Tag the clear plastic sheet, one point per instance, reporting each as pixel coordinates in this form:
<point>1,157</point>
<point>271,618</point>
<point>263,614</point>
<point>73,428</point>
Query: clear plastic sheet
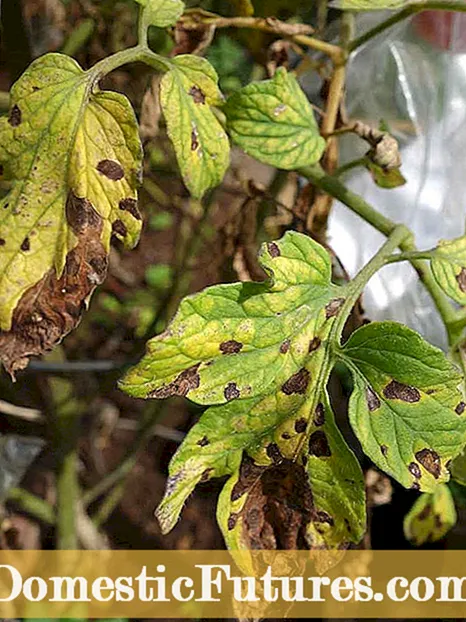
<point>16,455</point>
<point>419,89</point>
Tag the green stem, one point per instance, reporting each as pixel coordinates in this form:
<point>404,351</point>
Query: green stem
<point>355,287</point>
<point>143,27</point>
<point>411,256</point>
<point>37,507</point>
<point>137,54</point>
<point>349,166</point>
<point>412,9</point>
<point>316,175</point>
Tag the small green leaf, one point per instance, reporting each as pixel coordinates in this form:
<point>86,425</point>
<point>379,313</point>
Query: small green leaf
<point>73,158</point>
<point>260,353</point>
<point>431,517</point>
<point>163,13</point>
<point>387,179</point>
<point>274,123</point>
<point>243,7</point>
<point>449,268</point>
<point>187,93</point>
<point>406,407</point>
<point>369,5</point>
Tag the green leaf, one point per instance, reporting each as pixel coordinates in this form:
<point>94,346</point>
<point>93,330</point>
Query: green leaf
<point>369,5</point>
<point>163,13</point>
<point>384,178</point>
<point>406,408</point>
<point>274,123</point>
<point>260,353</point>
<point>431,517</point>
<point>243,7</point>
<point>72,156</point>
<point>449,268</point>
<point>458,468</point>
<point>187,93</point>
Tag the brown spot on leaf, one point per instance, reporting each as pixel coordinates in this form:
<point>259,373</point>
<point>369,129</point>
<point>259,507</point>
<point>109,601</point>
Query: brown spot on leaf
<point>2,242</point>
<point>322,517</point>
<point>248,475</point>
<point>232,520</point>
<point>1,169</point>
<point>15,116</point>
<point>373,402</point>
<point>206,475</point>
<point>315,344</point>
<point>348,525</point>
<point>81,215</point>
<point>51,308</point>
<point>273,452</point>
<point>197,94</point>
<point>318,445</point>
<point>333,307</point>
<point>415,486</point>
<point>131,206</point>
<point>203,442</point>
<point>460,408</point>
<point>111,169</point>
<point>319,415</point>
<point>119,228</point>
<point>438,521</point>
<point>26,245</point>
<point>398,391</point>
<point>384,450</point>
<point>461,278</point>
<point>297,383</point>
<point>274,250</point>
<point>430,460</point>
<point>414,469</point>
<point>285,346</point>
<point>231,392</point>
<point>425,512</point>
<point>185,382</point>
<point>230,347</point>
<point>194,139</point>
<point>286,436</point>
<point>300,425</point>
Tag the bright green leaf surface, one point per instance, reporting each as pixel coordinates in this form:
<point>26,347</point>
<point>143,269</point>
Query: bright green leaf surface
<point>260,351</point>
<point>431,517</point>
<point>449,268</point>
<point>274,123</point>
<point>202,149</point>
<point>73,157</point>
<point>406,408</point>
<point>163,13</point>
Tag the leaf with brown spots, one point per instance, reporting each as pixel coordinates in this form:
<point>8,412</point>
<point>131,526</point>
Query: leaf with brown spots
<point>405,399</point>
<point>249,346</point>
<point>187,93</point>
<point>449,268</point>
<point>67,182</point>
<point>431,517</point>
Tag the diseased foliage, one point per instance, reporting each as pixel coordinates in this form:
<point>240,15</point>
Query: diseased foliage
<point>431,517</point>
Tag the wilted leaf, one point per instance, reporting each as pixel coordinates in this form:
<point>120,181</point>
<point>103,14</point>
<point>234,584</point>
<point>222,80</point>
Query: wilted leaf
<point>369,5</point>
<point>72,155</point>
<point>163,13</point>
<point>406,408</point>
<point>384,178</point>
<point>260,352</point>
<point>187,93</point>
<point>431,517</point>
<point>449,268</point>
<point>274,122</point>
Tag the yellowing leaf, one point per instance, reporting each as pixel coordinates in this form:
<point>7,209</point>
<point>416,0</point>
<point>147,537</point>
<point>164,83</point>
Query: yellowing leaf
<point>369,5</point>
<point>73,157</point>
<point>163,13</point>
<point>388,179</point>
<point>431,517</point>
<point>449,268</point>
<point>260,352</point>
<point>187,93</point>
<point>274,123</point>
<point>243,7</point>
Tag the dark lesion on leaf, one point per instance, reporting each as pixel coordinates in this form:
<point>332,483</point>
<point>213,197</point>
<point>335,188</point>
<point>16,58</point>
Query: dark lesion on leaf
<point>278,508</point>
<point>119,228</point>
<point>300,425</point>
<point>15,116</point>
<point>384,450</point>
<point>425,512</point>
<point>111,169</point>
<point>314,344</point>
<point>414,469</point>
<point>231,347</point>
<point>51,308</point>
<point>461,280</point>
<point>232,521</point>
<point>194,139</point>
<point>460,408</point>
<point>319,516</point>
<point>197,94</point>
<point>333,307</point>
<point>318,445</point>
<point>203,442</point>
<point>319,415</point>
<point>397,391</point>
<point>285,346</point>
<point>231,392</point>
<point>26,244</point>
<point>372,399</point>
<point>130,205</point>
<point>273,452</point>
<point>274,250</point>
<point>186,381</point>
<point>297,383</point>
<point>430,460</point>
<point>415,486</point>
